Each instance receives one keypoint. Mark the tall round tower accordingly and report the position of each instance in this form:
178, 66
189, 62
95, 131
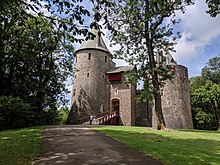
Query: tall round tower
176, 101
175, 96
90, 93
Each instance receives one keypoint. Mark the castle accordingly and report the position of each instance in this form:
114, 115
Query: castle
99, 88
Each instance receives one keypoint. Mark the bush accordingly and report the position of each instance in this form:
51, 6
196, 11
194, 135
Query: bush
14, 113
63, 114
203, 119
50, 117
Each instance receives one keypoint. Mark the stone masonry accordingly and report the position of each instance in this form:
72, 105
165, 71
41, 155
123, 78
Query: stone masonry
99, 87
176, 101
125, 95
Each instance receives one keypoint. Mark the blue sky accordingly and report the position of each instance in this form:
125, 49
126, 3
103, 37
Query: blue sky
200, 38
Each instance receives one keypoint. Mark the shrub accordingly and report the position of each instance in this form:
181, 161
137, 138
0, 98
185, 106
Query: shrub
14, 113
63, 114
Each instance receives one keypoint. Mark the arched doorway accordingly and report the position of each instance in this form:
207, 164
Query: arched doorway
116, 108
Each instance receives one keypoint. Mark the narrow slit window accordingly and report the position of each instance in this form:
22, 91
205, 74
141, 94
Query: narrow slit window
105, 58
89, 56
74, 92
87, 74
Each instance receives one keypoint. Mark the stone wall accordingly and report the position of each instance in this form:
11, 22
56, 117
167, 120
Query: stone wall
143, 114
125, 94
90, 93
176, 101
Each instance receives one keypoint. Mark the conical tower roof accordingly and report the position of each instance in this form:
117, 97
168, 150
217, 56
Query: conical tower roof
96, 43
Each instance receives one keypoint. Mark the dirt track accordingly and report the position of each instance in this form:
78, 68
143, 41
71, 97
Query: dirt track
80, 145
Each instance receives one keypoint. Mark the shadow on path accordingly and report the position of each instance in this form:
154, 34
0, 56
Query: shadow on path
80, 145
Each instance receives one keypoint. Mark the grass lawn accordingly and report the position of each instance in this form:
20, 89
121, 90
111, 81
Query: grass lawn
20, 146
174, 147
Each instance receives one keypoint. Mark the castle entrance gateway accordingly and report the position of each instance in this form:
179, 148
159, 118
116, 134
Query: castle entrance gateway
116, 108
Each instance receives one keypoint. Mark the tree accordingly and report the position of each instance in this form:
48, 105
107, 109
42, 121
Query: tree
214, 7
34, 64
7, 4
142, 28
63, 114
205, 98
68, 15
206, 105
214, 95
14, 113
196, 82
212, 70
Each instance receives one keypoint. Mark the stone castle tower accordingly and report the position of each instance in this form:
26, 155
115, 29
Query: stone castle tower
90, 92
176, 100
175, 95
99, 88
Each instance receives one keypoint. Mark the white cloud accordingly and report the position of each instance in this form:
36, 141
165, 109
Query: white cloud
120, 62
198, 30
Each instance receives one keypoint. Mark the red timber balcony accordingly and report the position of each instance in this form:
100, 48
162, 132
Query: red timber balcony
115, 77
116, 73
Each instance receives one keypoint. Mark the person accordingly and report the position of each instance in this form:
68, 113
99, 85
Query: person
90, 119
94, 120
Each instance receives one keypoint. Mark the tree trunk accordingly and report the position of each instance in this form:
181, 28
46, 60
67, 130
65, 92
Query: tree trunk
217, 114
156, 87
218, 119
149, 109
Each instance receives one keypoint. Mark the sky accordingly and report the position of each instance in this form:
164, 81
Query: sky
200, 39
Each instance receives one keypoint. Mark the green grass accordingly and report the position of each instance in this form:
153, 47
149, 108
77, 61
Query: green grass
20, 146
174, 147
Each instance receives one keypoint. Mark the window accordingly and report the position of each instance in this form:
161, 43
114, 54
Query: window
75, 76
74, 92
76, 59
105, 58
87, 74
89, 56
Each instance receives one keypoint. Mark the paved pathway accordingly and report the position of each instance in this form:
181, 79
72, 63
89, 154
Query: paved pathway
80, 145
